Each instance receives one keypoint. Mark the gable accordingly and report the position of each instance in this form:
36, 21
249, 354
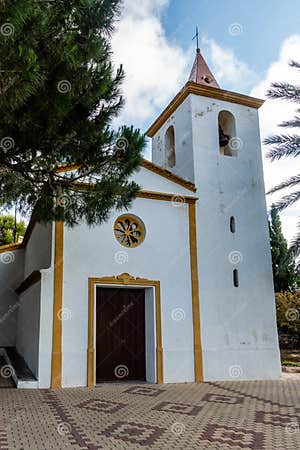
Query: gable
154, 182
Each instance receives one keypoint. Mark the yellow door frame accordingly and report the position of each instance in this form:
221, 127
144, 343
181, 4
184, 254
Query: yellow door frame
122, 280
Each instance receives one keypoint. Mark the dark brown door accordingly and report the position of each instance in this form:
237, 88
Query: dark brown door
120, 331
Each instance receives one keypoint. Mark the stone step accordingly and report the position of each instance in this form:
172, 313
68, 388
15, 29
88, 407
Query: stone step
20, 372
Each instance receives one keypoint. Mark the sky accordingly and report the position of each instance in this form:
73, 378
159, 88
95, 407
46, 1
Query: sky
246, 43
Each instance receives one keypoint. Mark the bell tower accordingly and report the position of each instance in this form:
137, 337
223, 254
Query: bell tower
210, 136
170, 145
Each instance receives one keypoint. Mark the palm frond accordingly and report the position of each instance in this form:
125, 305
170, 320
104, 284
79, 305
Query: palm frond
280, 139
295, 123
290, 182
296, 64
286, 145
287, 201
284, 91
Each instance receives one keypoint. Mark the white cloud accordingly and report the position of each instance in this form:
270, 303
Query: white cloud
144, 7
155, 68
273, 113
230, 72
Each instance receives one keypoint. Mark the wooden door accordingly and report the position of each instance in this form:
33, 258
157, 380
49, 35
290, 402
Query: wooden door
120, 334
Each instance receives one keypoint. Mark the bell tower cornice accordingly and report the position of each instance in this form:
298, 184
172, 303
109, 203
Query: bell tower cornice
205, 91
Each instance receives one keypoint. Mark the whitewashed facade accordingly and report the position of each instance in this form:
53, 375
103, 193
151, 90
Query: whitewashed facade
230, 287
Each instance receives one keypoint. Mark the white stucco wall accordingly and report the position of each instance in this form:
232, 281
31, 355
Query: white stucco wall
36, 314
182, 123
28, 326
164, 255
26, 321
11, 275
238, 325
38, 249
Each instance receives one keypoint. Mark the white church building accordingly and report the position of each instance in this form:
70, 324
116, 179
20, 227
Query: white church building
177, 289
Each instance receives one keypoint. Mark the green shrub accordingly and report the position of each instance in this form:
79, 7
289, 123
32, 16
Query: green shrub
290, 364
288, 312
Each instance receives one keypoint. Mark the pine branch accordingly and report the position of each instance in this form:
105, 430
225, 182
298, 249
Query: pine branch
291, 182
59, 95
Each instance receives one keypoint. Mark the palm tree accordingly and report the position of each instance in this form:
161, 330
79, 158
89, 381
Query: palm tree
287, 145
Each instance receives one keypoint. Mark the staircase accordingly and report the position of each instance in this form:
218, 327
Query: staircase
15, 370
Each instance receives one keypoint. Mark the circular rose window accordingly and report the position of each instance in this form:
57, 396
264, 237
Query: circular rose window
129, 230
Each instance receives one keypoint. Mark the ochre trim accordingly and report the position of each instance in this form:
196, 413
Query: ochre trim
169, 175
198, 363
205, 91
141, 194
131, 233
128, 280
32, 279
91, 345
67, 167
147, 165
10, 247
56, 369
176, 198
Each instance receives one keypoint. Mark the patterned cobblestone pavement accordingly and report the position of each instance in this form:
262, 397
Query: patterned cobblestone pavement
213, 415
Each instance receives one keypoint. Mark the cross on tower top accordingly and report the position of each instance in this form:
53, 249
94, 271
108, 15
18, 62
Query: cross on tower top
197, 38
201, 73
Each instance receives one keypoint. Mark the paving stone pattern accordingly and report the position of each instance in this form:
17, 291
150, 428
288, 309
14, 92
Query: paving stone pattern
238, 415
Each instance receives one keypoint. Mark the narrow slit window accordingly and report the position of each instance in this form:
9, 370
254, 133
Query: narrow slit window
232, 224
236, 278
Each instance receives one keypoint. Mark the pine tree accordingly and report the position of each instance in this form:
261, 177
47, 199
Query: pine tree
285, 275
286, 145
59, 95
